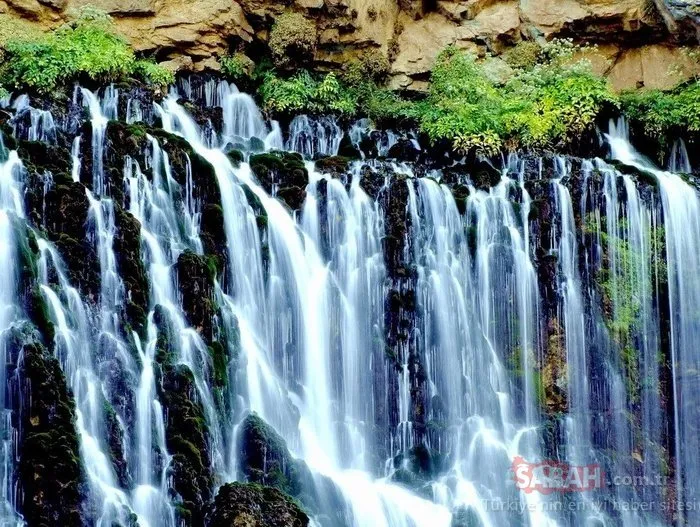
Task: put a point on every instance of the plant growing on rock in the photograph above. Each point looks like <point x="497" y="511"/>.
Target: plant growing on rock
<point x="658" y="113"/>
<point x="238" y="67"/>
<point x="303" y="93"/>
<point x="87" y="48"/>
<point x="292" y="40"/>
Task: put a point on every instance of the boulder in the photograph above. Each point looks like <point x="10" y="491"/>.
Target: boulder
<point x="251" y="505"/>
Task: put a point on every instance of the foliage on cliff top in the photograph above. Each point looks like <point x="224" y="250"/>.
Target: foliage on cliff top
<point x="545" y="105"/>
<point x="549" y="101"/>
<point x="660" y="113"/>
<point x="87" y="48"/>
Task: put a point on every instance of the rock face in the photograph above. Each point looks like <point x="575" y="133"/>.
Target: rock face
<point x="250" y="505"/>
<point x="637" y="35"/>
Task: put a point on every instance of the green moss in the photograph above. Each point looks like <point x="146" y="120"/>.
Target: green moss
<point x="284" y="172"/>
<point x="115" y="443"/>
<point x="256" y="506"/>
<point x="127" y="248"/>
<point x="50" y="475"/>
<point x="38" y="313"/>
<point x="187" y="439"/>
<point x="292" y="40"/>
<point x="196" y="284"/>
<point x="220" y="362"/>
<point x="619" y="292"/>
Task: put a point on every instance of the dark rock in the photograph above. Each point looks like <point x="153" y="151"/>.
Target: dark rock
<point x="404" y="150"/>
<point x="282" y="174"/>
<point x="186" y="430"/>
<point x="196" y="282"/>
<point x="347" y="149"/>
<point x="336" y="166"/>
<point x="251" y="505"/>
<point x="127" y="249"/>
<point x="51" y="477"/>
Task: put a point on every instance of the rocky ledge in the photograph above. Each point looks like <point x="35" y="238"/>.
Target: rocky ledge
<point x="640" y="41"/>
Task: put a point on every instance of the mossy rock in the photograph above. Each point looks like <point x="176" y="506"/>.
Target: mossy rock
<point x="196" y="276"/>
<point x="38" y="312"/>
<point x="51" y="478"/>
<point x="186" y="431"/>
<point x="65" y="222"/>
<point x="115" y="444"/>
<point x="284" y="172"/>
<point x="336" y="166"/>
<point x="251" y="505"/>
<point x="213" y="236"/>
<point x="127" y="249"/>
<point x="265" y="458"/>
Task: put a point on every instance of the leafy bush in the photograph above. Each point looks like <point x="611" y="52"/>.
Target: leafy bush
<point x="292" y="40"/>
<point x="153" y="74"/>
<point x="87" y="48"/>
<point x="237" y="67"/>
<point x="462" y="107"/>
<point x="303" y="93"/>
<point x="555" y="103"/>
<point x="525" y="55"/>
<point x="548" y="105"/>
<point x="659" y="112"/>
<point x="372" y="66"/>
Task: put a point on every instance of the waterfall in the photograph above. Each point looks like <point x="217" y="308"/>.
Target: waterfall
<point x="73" y="344"/>
<point x="681" y="212"/>
<point x="314" y="137"/>
<point x="11" y="207"/>
<point x="405" y="334"/>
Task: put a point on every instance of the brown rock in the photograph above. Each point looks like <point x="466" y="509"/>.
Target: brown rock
<point x="652" y="67"/>
<point x="421" y="41"/>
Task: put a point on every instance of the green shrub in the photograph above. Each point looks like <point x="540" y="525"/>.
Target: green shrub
<point x="237" y="67"/>
<point x="526" y="55"/>
<point x="373" y="65"/>
<point x="292" y="40"/>
<point x="462" y="107"/>
<point x="86" y="48"/>
<point x="554" y="103"/>
<point x="659" y="112"/>
<point x="153" y="74"/>
<point x="303" y="93"/>
<point x="548" y="105"/>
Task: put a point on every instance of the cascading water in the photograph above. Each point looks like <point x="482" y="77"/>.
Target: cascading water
<point x="681" y="211"/>
<point x="11" y="207"/>
<point x="407" y="333"/>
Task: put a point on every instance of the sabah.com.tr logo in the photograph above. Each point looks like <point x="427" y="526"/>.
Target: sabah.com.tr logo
<point x="553" y="476"/>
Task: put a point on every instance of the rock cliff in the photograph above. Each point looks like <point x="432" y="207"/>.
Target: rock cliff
<point x="639" y="41"/>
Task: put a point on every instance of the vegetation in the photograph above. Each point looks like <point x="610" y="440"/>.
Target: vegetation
<point x="88" y="48"/>
<point x="661" y="113"/>
<point x="542" y="99"/>
<point x="292" y="40"/>
<point x="238" y="67"/>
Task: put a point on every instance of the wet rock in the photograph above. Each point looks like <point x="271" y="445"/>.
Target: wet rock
<point x="127" y="249"/>
<point x="283" y="175"/>
<point x="404" y="150"/>
<point x="196" y="283"/>
<point x="336" y="166"/>
<point x="251" y="505"/>
<point x="51" y="477"/>
<point x="186" y="431"/>
<point x="66" y="223"/>
<point x="265" y="459"/>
